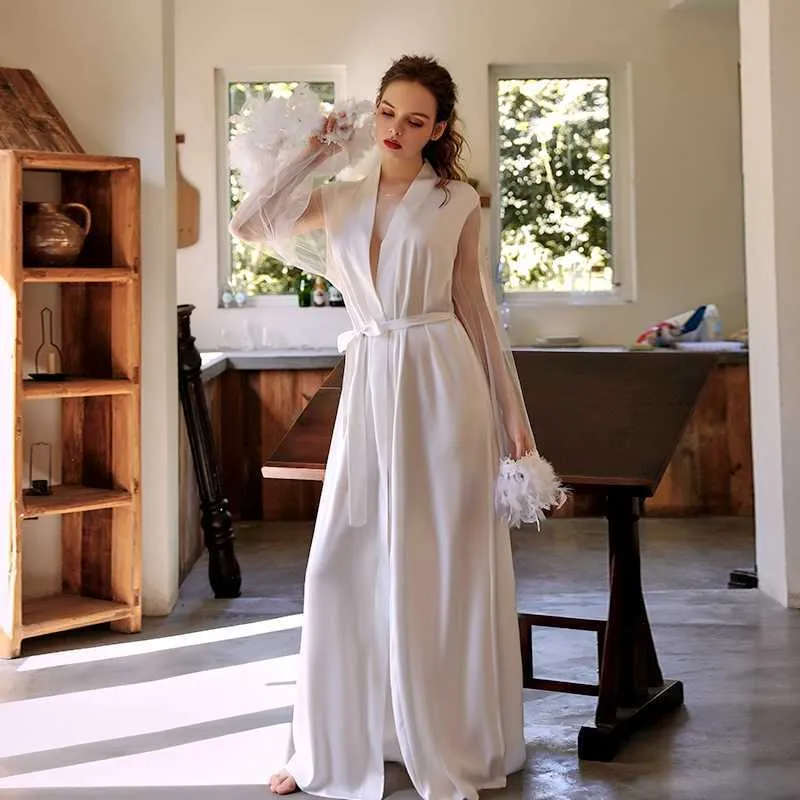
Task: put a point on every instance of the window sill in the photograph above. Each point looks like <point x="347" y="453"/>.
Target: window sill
<point x="274" y="301"/>
<point x="266" y="301"/>
<point x="521" y="299"/>
<point x="539" y="299"/>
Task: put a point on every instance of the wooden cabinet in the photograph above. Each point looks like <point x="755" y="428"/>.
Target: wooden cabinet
<point x="96" y="496"/>
<point x="259" y="407"/>
<point x="710" y="472"/>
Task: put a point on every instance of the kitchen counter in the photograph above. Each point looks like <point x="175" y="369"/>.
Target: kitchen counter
<point x="302" y="358"/>
<point x="263" y="391"/>
<point x="217" y="362"/>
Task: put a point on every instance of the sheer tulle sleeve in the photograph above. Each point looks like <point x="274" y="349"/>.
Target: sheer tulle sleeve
<point x="526" y="483"/>
<point x="285" y="179"/>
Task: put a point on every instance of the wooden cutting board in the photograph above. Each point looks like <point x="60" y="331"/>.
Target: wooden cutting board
<point x="28" y="118"/>
<point x="188" y="204"/>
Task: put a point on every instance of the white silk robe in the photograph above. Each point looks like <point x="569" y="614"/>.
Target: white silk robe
<point x="410" y="650"/>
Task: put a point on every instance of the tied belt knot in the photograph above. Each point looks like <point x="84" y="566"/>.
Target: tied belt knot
<point x="380" y="327"/>
<point x="355" y="411"/>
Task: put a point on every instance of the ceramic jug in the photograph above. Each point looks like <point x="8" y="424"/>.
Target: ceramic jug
<point x="50" y="235"/>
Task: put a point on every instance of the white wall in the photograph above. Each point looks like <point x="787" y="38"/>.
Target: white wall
<point x="686" y="130"/>
<point x="108" y="69"/>
<point x="771" y="128"/>
<point x="689" y="4"/>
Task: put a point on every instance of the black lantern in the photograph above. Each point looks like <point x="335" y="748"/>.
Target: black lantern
<point x="41" y="486"/>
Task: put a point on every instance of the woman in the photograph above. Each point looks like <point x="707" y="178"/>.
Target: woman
<point x="410" y="650"/>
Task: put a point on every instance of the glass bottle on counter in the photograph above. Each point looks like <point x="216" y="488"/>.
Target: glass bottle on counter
<point x="335" y="297"/>
<point x="304" y="290"/>
<point x="320" y="293"/>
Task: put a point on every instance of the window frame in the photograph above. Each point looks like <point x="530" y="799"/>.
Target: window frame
<point x="223" y="76"/>
<point x="623" y="251"/>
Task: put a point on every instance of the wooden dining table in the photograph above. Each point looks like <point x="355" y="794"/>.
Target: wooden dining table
<point x="609" y="423"/>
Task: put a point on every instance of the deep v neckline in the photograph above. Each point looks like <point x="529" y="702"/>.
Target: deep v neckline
<point x="374" y="268"/>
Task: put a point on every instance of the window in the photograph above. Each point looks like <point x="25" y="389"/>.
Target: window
<point x="243" y="266"/>
<point x="561" y="223"/>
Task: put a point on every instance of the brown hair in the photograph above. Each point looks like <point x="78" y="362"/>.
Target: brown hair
<point x="444" y="154"/>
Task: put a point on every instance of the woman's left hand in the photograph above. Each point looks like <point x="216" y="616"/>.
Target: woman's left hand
<point x="520" y="439"/>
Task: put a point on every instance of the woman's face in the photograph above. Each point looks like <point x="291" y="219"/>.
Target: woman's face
<point x="406" y="120"/>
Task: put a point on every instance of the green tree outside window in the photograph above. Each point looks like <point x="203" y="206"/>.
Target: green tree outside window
<point x="555" y="182"/>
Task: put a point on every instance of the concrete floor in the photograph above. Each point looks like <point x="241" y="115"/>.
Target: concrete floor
<point x="199" y="704"/>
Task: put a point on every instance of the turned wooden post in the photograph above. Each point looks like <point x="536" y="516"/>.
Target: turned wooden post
<point x="223" y="569"/>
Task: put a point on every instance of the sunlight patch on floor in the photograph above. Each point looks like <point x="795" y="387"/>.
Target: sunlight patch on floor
<point x="241" y="759"/>
<point x="138" y="647"/>
<point x="148" y="707"/>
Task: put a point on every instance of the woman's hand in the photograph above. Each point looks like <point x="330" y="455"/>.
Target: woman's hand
<point x="523" y="444"/>
<point x="334" y="123"/>
<point x="520" y="437"/>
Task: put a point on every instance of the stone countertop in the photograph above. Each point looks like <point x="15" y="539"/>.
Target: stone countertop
<point x="217" y="362"/>
<point x="723" y="356"/>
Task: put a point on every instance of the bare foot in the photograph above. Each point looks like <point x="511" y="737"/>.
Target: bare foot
<point x="282" y="783"/>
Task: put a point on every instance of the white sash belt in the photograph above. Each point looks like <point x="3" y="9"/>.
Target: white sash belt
<point x="380" y="327"/>
<point x="376" y="376"/>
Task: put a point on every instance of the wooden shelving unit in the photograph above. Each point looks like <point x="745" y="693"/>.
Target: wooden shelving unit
<point x="77" y="275"/>
<point x="97" y="496"/>
<point x="61" y="612"/>
<point x="78" y="387"/>
<point x="73" y="499"/>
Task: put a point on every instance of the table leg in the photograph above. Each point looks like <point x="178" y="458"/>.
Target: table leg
<point x="223" y="568"/>
<point x="633" y="691"/>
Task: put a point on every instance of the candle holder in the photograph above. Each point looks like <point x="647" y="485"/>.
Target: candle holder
<point x="48" y="350"/>
<point x="40" y="487"/>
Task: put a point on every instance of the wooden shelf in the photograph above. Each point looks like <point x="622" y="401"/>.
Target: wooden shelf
<point x="72" y="162"/>
<point x="68" y="499"/>
<point x="78" y="274"/>
<point x="75" y="387"/>
<point x="98" y="303"/>
<point x="62" y="612"/>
